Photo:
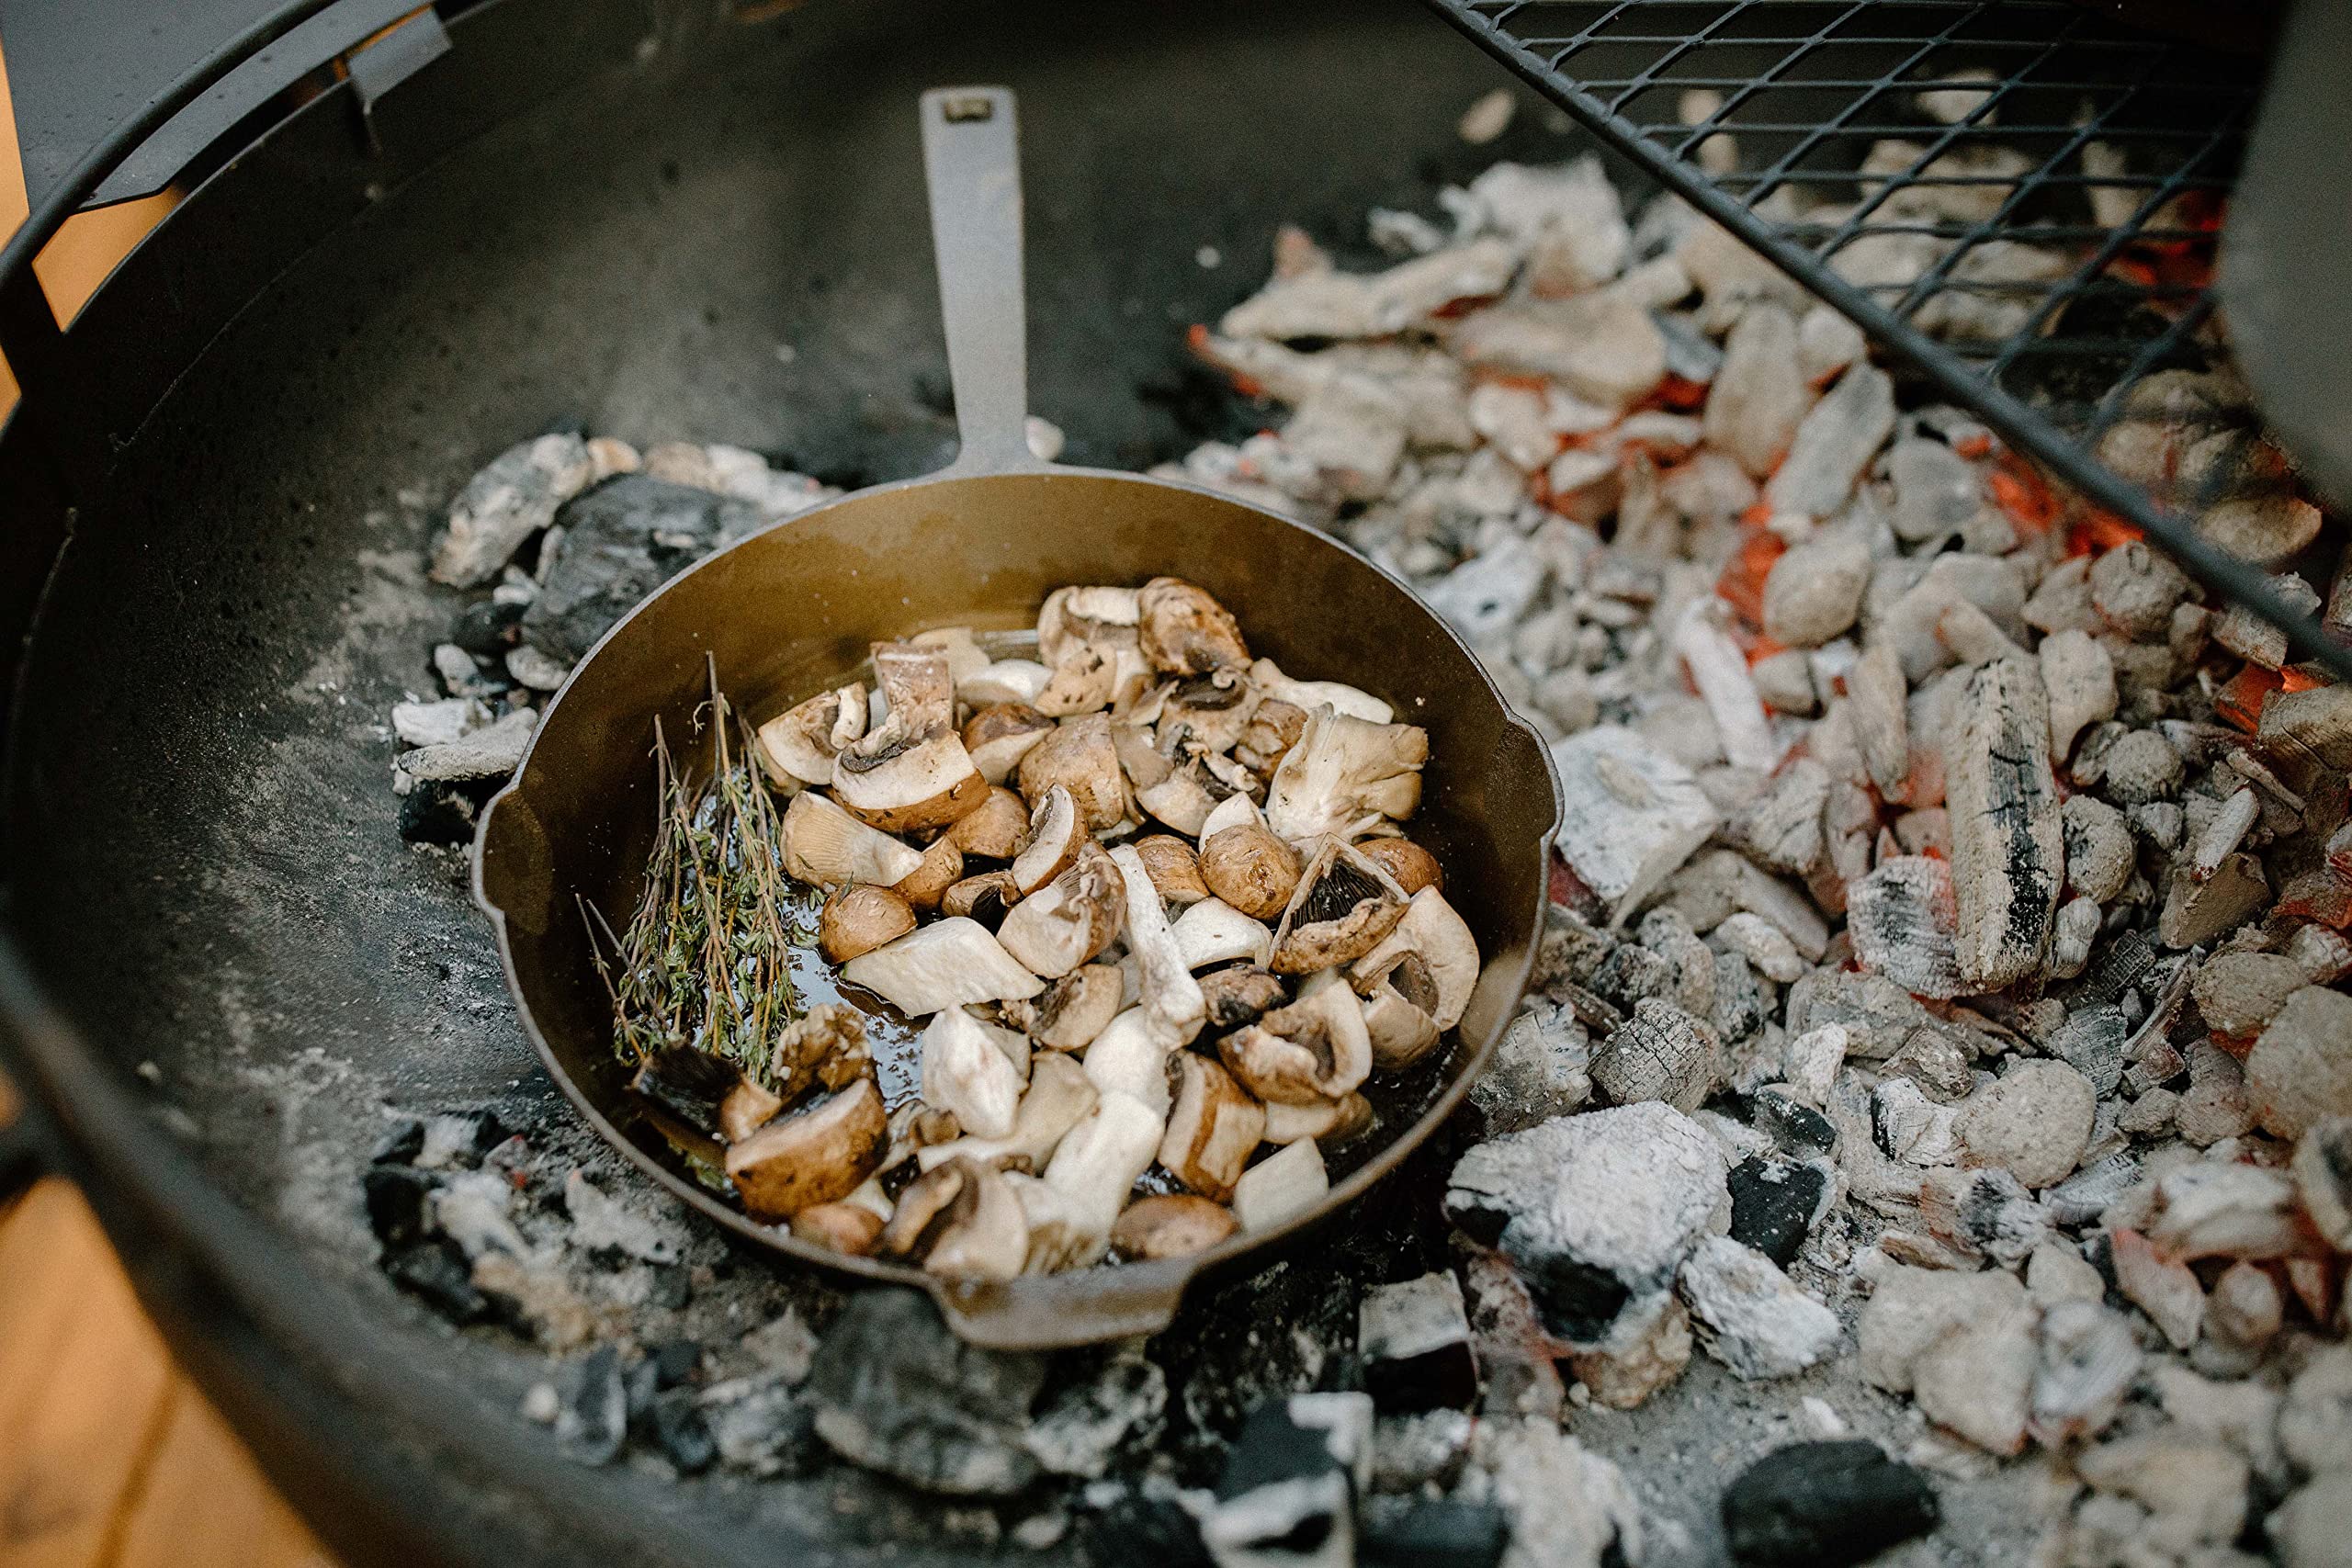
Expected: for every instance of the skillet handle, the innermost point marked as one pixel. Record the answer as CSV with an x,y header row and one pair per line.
x,y
971,155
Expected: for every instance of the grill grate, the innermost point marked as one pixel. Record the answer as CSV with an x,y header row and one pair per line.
x,y
2017,198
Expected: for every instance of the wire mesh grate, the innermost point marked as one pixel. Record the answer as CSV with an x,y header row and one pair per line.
x,y
2021,198
2017,188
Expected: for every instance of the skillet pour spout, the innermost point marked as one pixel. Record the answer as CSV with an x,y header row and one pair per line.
x,y
785,611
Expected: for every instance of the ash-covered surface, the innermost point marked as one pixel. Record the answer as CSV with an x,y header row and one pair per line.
x,y
2004,1229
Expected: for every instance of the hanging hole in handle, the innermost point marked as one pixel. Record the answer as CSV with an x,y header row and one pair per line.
x,y
964,109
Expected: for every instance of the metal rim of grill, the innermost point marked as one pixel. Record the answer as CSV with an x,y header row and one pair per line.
x,y
1808,87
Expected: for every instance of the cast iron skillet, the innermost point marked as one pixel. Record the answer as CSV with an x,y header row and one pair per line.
x,y
980,543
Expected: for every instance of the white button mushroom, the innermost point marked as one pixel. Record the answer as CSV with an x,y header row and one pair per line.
x,y
949,962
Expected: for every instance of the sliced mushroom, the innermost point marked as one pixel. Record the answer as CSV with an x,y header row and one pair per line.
x,y
1183,800
1063,1233
995,828
870,1196
812,1156
1342,906
1088,639
926,783
913,1128
1059,1096
1172,1224
1233,811
1250,869
1139,757
1173,868
1343,770
1057,832
1006,680
1213,932
1166,984
1239,994
910,771
826,846
857,919
1080,757
844,1226
985,1235
1281,1186
987,897
1101,1158
958,1219
1326,1121
688,1082
797,747
1206,713
1073,1010
1130,1057
942,868
965,656
1185,631
1070,919
1074,616
1315,1048
1447,971
1273,728
999,736
969,1072
949,962
747,1108
1213,1126
1396,1016
1412,866
1308,695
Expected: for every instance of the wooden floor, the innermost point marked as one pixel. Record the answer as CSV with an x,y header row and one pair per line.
x,y
109,1455
109,1458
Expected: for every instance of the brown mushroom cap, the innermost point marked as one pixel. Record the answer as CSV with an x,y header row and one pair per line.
x,y
942,868
1315,1048
1183,629
986,898
1273,728
845,1227
1001,734
1080,757
859,920
922,1210
1175,869
812,1156
1213,1126
1172,1224
995,828
1239,996
1343,905
1250,869
1412,866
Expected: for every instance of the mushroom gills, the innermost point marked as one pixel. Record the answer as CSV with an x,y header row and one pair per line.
x,y
1343,905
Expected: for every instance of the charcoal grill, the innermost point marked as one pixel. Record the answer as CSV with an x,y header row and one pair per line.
x,y
1806,86
382,274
